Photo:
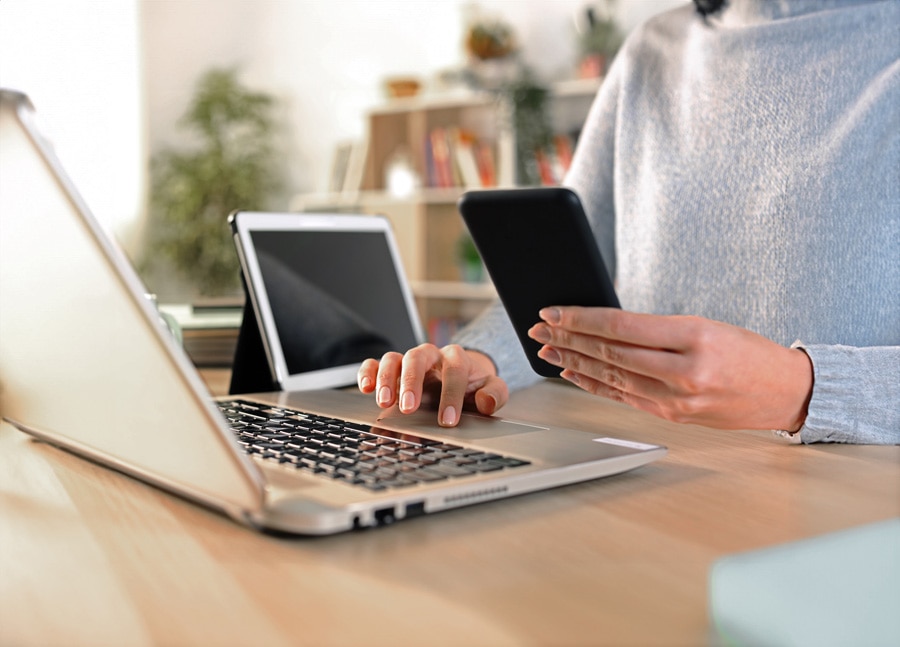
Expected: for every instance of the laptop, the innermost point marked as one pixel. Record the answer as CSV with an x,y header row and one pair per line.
x,y
318,315
87,364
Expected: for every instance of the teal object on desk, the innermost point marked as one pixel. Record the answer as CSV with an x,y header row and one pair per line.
x,y
837,589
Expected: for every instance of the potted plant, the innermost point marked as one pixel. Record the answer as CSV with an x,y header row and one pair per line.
x,y
599,40
527,99
232,166
496,67
490,40
470,265
491,50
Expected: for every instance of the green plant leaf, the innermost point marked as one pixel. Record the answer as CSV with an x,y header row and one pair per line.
x,y
233,165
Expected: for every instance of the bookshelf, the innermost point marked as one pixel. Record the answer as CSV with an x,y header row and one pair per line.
x,y
425,218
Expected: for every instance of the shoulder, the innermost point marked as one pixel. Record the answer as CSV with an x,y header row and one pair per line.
x,y
657,43
661,32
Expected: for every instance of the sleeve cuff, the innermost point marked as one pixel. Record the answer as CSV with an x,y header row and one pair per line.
x,y
855,395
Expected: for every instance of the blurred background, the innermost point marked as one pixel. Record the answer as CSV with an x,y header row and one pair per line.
x,y
113,80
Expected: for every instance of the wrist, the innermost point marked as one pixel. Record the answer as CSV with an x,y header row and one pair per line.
x,y
802,381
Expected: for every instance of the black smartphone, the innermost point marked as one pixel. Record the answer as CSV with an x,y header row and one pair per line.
x,y
539,250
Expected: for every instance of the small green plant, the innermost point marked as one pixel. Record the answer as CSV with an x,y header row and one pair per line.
x,y
469,259
233,166
603,37
531,124
600,37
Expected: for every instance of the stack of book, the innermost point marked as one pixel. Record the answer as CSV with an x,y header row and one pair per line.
x,y
455,157
458,158
209,331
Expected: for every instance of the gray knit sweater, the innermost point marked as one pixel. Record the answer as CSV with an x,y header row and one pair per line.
x,y
746,168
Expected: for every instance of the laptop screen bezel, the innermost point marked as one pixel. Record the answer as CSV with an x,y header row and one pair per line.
x,y
246,223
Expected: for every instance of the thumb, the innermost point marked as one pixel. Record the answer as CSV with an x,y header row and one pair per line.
x,y
491,396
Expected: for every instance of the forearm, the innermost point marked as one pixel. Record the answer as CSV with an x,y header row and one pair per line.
x,y
855,397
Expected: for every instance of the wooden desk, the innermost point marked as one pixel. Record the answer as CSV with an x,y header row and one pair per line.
x,y
90,556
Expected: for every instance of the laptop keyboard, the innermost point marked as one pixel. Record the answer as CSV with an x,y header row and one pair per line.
x,y
362,455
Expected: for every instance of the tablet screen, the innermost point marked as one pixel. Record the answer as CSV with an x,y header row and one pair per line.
x,y
330,292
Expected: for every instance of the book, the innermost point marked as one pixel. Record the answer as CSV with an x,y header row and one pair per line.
x,y
487,168
563,147
339,165
545,167
463,145
440,153
442,329
506,159
356,165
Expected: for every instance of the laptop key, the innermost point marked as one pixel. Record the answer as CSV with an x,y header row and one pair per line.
x,y
486,466
451,470
427,474
511,462
399,482
265,446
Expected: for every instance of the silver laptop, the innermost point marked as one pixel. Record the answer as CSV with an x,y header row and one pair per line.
x,y
318,314
87,364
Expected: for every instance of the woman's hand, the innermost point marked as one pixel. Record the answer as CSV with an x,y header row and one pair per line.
x,y
461,378
681,368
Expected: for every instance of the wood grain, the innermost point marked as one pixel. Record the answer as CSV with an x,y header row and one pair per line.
x,y
91,557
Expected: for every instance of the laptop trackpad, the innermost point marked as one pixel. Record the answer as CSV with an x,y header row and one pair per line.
x,y
472,426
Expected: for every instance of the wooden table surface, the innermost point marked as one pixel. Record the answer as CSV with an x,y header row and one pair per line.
x,y
93,557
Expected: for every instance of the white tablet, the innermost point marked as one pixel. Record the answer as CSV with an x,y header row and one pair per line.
x,y
328,291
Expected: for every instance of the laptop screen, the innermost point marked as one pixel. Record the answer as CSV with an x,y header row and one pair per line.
x,y
329,291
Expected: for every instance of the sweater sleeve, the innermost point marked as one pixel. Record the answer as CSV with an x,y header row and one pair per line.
x,y
856,395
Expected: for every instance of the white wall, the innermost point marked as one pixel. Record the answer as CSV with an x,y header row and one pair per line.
x,y
326,59
79,62
111,77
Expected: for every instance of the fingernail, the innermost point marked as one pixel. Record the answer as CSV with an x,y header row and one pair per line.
x,y
492,402
448,418
550,355
540,333
365,383
407,401
550,315
384,395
